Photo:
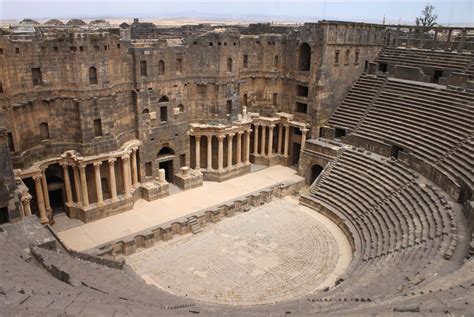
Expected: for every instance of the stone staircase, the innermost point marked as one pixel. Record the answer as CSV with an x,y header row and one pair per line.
x,y
195,226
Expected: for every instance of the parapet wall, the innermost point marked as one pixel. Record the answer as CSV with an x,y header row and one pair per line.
x,y
204,218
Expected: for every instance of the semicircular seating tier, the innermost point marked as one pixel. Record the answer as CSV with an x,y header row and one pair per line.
x,y
403,227
431,123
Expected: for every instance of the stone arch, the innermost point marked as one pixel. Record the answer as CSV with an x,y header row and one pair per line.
x,y
165,151
229,64
145,111
304,57
92,75
161,67
181,107
164,99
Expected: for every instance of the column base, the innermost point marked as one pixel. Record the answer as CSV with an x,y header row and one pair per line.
x,y
44,221
225,174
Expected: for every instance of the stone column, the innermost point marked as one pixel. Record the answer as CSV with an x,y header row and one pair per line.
x,y
270,139
126,174
85,193
45,192
67,183
255,137
304,131
133,159
198,151
40,198
220,153
77,184
287,140
230,136
209,151
112,181
247,148
239,148
264,136
25,201
280,137
98,183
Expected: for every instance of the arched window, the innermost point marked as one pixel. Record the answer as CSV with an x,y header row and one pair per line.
x,y
229,64
44,131
346,57
92,76
181,107
276,62
145,111
165,151
161,68
164,99
305,57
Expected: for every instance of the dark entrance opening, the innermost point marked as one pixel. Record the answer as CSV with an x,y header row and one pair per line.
x,y
3,214
383,67
396,150
57,202
436,75
296,153
168,167
315,171
339,133
55,191
366,66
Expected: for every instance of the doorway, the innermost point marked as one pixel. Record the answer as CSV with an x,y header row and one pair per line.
x,y
315,172
296,154
168,167
396,151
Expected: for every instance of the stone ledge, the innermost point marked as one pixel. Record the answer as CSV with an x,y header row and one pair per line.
x,y
148,237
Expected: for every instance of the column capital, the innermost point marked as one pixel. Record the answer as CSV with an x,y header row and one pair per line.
x,y
241,132
125,157
82,166
272,126
64,164
231,134
257,124
304,130
221,137
112,160
97,164
37,178
286,125
26,199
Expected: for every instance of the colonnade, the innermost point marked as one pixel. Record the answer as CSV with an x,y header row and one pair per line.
x,y
264,147
79,175
242,145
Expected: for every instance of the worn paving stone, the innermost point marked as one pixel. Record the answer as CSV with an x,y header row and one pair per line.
x,y
274,253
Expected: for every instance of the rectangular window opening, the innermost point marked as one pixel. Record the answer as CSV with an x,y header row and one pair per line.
x,y
301,107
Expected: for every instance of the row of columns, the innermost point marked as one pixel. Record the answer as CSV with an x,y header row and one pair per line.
x,y
266,146
130,178
220,154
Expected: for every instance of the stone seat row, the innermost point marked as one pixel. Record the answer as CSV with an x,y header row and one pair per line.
x,y
27,286
404,233
372,193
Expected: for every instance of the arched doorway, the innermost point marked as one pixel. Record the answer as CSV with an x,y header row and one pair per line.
x,y
165,159
315,172
56,193
304,57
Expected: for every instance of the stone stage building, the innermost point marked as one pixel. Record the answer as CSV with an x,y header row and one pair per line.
x,y
91,116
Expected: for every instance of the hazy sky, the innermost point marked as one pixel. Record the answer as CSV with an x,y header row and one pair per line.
x,y
405,11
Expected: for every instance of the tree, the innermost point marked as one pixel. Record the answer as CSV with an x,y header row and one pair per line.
x,y
428,17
